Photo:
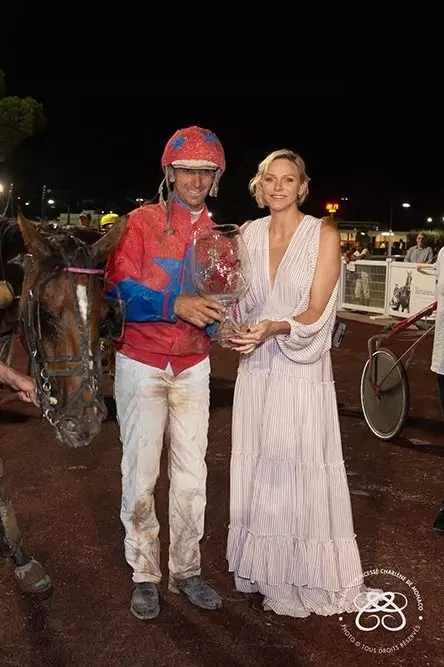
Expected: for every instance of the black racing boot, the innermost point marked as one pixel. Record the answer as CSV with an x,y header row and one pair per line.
x,y
197,592
145,601
438,524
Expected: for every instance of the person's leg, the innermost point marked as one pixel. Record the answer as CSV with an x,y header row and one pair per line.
x,y
29,573
142,407
440,385
189,398
358,288
365,279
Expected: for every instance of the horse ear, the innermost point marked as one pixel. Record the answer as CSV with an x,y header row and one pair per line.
x,y
102,248
33,239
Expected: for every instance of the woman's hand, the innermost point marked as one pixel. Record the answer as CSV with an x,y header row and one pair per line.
x,y
255,335
229,330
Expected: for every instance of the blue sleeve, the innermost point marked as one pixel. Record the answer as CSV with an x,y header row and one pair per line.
x,y
143,304
211,330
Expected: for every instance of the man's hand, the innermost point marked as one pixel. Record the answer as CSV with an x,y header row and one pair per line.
x,y
197,310
23,384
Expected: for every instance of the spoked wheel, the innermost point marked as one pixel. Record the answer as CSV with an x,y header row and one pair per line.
x,y
385,408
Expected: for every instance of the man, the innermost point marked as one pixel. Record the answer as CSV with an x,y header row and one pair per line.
x,y
29,574
360,252
85,219
362,278
107,221
420,253
162,371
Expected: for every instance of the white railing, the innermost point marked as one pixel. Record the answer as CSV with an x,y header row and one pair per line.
x,y
363,286
388,288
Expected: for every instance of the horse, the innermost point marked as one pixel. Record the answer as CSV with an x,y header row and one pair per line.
x,y
12,268
61,315
401,295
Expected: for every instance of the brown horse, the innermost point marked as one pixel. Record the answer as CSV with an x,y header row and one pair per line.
x,y
62,311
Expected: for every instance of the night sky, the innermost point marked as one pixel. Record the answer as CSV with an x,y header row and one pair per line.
x,y
371,141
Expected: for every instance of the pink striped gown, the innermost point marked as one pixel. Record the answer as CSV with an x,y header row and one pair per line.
x,y
291,531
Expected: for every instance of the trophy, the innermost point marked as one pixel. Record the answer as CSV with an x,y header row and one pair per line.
x,y
221,271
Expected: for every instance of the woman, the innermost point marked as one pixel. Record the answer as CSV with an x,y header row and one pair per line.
x,y
437,365
291,531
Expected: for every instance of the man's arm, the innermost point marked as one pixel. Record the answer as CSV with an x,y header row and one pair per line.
x,y
143,303
23,384
362,255
124,273
429,256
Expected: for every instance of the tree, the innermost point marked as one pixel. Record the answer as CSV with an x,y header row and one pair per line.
x,y
20,118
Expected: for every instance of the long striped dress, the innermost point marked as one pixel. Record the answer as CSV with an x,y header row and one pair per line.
x,y
291,531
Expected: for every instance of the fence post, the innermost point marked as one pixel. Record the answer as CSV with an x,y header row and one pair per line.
x,y
341,284
387,297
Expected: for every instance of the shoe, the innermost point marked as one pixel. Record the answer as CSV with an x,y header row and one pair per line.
x,y
438,524
145,601
32,578
197,592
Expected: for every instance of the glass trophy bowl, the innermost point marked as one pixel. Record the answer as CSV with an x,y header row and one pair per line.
x,y
221,271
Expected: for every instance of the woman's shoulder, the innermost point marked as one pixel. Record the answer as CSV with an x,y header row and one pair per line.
x,y
329,232
323,230
249,226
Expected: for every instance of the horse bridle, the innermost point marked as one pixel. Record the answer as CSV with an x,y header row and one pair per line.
x,y
87,365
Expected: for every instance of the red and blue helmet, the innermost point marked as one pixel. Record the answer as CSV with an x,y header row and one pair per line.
x,y
194,148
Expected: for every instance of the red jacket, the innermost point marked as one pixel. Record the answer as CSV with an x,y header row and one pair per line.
x,y
150,269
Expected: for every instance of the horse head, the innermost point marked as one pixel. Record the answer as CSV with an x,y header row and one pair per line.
x,y
62,308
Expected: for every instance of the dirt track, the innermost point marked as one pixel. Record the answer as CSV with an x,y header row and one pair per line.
x,y
67,502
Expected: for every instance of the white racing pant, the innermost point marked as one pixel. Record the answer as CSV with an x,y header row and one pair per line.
x,y
148,399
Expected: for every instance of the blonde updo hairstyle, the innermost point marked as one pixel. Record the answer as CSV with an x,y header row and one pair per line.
x,y
255,185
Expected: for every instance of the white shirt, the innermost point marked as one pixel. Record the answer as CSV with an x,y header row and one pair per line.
x,y
361,254
195,215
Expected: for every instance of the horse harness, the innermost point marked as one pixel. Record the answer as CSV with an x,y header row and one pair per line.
x,y
87,365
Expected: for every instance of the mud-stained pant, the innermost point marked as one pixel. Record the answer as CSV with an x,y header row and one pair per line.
x,y
148,399
10,536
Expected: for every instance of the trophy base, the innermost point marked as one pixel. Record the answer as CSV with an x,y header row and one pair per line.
x,y
227,327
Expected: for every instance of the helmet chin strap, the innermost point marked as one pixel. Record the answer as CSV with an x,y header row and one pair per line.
x,y
169,202
215,187
168,229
